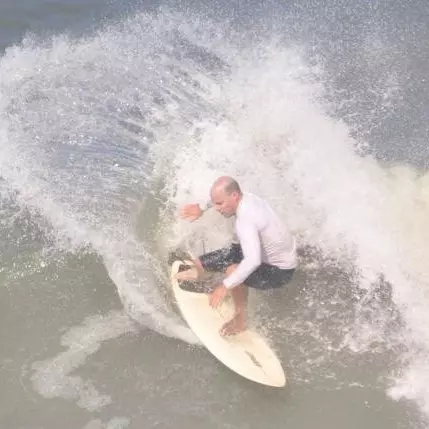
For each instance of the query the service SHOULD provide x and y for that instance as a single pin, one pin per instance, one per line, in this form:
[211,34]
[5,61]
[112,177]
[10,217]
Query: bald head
[226,184]
[226,195]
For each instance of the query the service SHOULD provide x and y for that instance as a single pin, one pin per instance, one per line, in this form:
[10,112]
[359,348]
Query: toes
[232,327]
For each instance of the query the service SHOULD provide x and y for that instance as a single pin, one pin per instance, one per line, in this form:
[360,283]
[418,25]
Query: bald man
[264,258]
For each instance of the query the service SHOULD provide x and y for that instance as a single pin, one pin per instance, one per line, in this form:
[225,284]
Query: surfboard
[247,353]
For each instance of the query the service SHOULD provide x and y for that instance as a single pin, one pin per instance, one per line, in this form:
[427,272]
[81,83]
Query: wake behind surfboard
[246,353]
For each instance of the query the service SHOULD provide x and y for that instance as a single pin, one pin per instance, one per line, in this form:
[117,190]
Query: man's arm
[251,246]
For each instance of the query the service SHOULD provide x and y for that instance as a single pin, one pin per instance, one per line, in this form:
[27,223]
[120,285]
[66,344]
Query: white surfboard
[246,353]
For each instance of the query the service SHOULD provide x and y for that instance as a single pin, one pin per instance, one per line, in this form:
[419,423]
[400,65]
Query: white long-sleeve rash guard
[263,238]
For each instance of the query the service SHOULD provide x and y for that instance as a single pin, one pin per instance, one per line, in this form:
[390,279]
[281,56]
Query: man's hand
[218,295]
[191,212]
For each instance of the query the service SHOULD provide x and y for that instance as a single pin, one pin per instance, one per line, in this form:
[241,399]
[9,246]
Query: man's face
[225,204]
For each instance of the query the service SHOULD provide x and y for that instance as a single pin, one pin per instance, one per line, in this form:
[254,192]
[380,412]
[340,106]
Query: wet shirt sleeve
[248,236]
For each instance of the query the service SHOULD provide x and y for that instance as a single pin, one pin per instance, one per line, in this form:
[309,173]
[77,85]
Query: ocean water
[114,114]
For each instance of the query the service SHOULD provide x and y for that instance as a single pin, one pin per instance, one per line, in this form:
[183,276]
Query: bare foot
[234,326]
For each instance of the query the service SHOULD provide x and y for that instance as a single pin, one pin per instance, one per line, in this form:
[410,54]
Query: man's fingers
[217,297]
[213,300]
[190,218]
[189,213]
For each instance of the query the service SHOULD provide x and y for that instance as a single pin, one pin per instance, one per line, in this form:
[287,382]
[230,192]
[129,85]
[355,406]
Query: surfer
[264,258]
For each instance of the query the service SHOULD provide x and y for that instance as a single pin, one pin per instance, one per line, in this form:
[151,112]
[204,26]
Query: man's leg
[217,260]
[239,294]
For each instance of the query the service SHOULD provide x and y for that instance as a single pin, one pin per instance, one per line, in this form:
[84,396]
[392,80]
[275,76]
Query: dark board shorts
[264,277]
